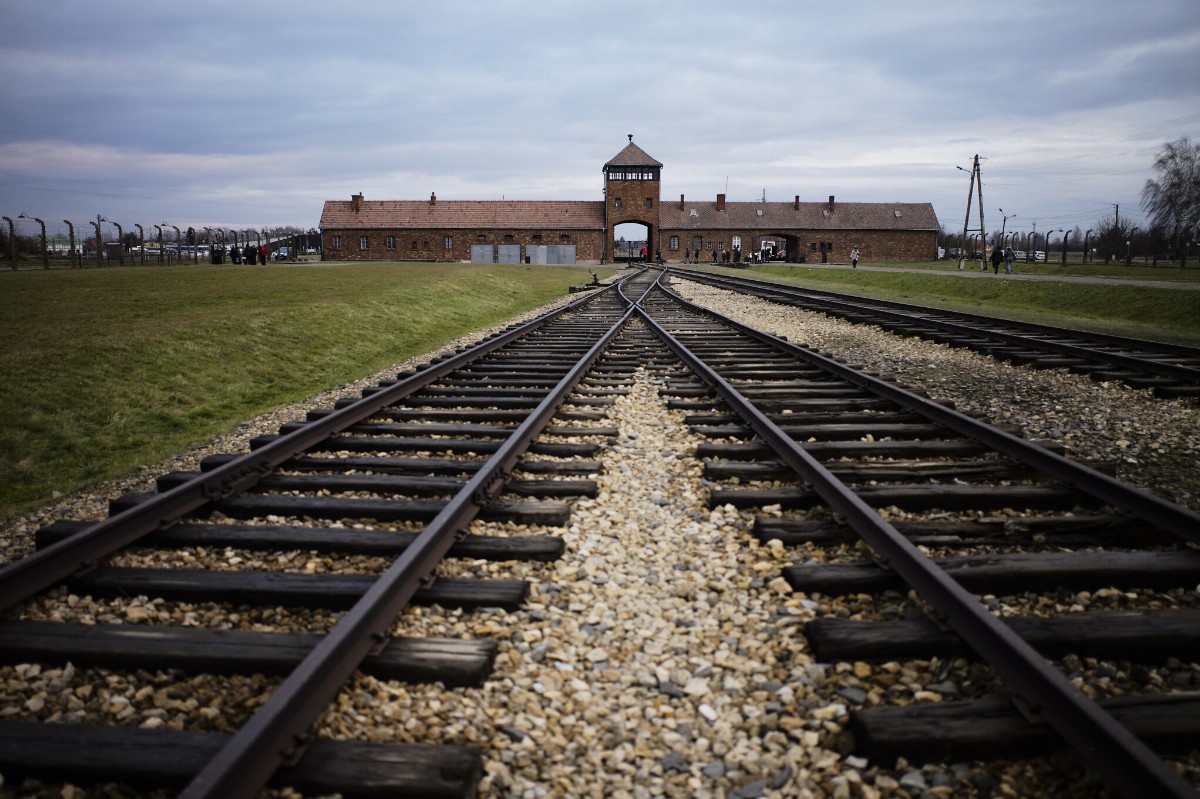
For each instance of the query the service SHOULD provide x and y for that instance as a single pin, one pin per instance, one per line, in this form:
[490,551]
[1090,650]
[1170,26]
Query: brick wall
[872,245]
[430,245]
[633,201]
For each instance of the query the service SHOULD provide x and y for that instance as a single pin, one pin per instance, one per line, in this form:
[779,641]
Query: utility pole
[974,187]
[962,245]
[982,229]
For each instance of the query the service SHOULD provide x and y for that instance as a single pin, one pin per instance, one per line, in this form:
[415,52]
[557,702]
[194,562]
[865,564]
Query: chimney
[720,202]
[796,203]
[432,198]
[356,201]
[831,203]
[681,202]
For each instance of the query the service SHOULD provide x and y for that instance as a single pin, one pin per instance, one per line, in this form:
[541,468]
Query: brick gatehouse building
[566,231]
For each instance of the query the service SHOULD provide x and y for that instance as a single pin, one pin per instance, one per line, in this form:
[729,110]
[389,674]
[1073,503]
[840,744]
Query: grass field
[107,369]
[1160,314]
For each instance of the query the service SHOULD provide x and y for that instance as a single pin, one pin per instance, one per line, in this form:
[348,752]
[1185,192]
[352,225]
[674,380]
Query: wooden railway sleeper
[1110,748]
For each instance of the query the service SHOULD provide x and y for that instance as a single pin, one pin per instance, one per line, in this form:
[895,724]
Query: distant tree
[1111,236]
[1173,201]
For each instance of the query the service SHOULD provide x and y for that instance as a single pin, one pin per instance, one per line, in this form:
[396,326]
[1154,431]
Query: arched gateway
[567,231]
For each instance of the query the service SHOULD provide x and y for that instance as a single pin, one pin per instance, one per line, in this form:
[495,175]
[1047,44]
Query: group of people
[249,254]
[725,256]
[999,254]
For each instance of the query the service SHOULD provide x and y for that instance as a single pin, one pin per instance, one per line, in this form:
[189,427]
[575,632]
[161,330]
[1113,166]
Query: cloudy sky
[253,113]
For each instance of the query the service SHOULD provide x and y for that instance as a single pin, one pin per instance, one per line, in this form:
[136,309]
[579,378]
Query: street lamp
[1085,245]
[1066,236]
[1049,233]
[120,242]
[99,237]
[45,255]
[71,252]
[141,242]
[178,243]
[1129,247]
[12,244]
[1004,224]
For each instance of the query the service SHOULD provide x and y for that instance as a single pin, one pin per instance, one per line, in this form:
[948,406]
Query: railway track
[822,455]
[414,462]
[1169,370]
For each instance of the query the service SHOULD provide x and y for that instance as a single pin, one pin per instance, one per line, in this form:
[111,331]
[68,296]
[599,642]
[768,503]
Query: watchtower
[631,193]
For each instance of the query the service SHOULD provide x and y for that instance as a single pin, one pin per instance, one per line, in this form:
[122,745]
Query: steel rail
[1129,765]
[1162,369]
[24,578]
[279,730]
[1049,330]
[1180,521]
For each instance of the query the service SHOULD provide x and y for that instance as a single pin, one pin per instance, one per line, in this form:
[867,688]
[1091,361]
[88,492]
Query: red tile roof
[474,214]
[785,216]
[632,155]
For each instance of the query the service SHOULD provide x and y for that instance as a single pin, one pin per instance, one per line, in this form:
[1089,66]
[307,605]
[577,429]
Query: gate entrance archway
[778,247]
[629,238]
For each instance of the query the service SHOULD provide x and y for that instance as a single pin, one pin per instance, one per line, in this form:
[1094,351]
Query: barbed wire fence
[31,242]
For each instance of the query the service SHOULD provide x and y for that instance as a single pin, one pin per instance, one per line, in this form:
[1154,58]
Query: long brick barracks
[568,231]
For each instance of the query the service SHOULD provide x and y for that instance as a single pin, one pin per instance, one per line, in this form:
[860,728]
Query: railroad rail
[751,372]
[531,369]
[1169,370]
[836,451]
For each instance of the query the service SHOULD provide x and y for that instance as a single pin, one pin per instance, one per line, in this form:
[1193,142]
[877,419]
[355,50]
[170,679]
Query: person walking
[1008,260]
[996,256]
[854,258]
[687,255]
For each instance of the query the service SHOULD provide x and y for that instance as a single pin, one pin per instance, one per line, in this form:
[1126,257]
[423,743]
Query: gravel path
[662,655]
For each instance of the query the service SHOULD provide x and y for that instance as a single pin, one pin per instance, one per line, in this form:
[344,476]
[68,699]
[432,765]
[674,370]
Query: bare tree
[1173,201]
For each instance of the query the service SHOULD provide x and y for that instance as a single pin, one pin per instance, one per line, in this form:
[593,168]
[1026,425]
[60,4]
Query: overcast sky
[253,113]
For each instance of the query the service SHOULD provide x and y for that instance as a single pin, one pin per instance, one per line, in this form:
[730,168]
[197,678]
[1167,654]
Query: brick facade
[812,232]
[807,246]
[429,244]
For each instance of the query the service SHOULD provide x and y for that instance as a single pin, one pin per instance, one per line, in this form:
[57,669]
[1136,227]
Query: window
[537,238]
[737,242]
[449,242]
[633,174]
[616,202]
[337,242]
[696,242]
[649,202]
[414,244]
[508,237]
[674,245]
[391,242]
[481,238]
[564,238]
[364,243]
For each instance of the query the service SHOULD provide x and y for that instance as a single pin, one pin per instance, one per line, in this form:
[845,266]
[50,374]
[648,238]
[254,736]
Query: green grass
[1139,311]
[1165,270]
[108,369]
